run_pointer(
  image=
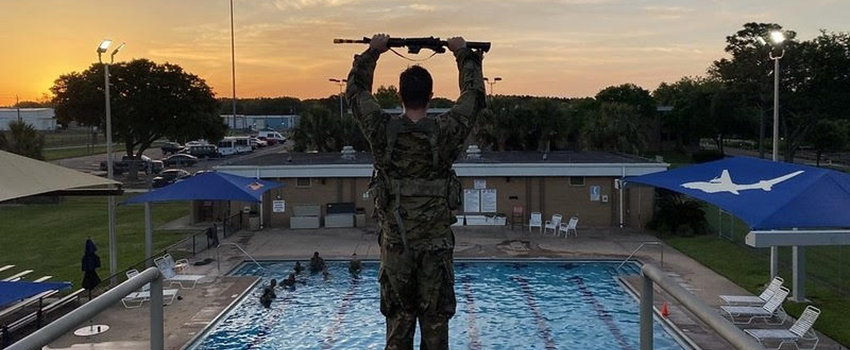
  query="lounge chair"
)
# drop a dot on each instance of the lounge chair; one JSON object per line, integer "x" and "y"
{"x": 553, "y": 224}
{"x": 571, "y": 226}
{"x": 136, "y": 299}
{"x": 771, "y": 309}
{"x": 751, "y": 299}
{"x": 799, "y": 331}
{"x": 178, "y": 265}
{"x": 172, "y": 278}
{"x": 536, "y": 220}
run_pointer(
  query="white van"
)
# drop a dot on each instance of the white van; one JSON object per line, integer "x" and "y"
{"x": 271, "y": 135}
{"x": 234, "y": 145}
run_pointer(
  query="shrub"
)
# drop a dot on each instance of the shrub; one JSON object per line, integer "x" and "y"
{"x": 705, "y": 156}
{"x": 678, "y": 214}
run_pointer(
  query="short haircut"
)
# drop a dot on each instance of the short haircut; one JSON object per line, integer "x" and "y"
{"x": 414, "y": 87}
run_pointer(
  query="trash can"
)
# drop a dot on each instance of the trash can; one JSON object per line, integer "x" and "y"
{"x": 360, "y": 217}
{"x": 254, "y": 223}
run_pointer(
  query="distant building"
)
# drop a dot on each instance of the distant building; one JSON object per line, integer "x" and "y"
{"x": 258, "y": 122}
{"x": 583, "y": 184}
{"x": 43, "y": 119}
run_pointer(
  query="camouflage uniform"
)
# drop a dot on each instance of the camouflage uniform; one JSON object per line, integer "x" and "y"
{"x": 415, "y": 190}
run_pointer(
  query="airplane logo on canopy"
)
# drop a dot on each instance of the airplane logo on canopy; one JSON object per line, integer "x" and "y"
{"x": 724, "y": 183}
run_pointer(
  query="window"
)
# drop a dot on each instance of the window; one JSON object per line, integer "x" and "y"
{"x": 576, "y": 180}
{"x": 302, "y": 182}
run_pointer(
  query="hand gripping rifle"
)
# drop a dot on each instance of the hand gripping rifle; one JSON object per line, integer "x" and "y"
{"x": 414, "y": 45}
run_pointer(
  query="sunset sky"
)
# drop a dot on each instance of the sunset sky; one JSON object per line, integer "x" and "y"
{"x": 283, "y": 47}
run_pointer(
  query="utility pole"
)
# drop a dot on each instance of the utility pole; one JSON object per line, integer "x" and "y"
{"x": 18, "y": 106}
{"x": 233, "y": 61}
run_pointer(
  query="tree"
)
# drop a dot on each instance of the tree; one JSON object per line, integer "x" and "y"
{"x": 637, "y": 97}
{"x": 749, "y": 72}
{"x": 321, "y": 130}
{"x": 615, "y": 127}
{"x": 149, "y": 101}
{"x": 829, "y": 135}
{"x": 387, "y": 96}
{"x": 22, "y": 139}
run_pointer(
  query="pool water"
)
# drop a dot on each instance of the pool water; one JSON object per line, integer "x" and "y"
{"x": 500, "y": 305}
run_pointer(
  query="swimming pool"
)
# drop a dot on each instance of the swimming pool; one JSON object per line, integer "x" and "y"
{"x": 500, "y": 305}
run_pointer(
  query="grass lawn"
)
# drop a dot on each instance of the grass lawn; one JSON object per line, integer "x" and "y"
{"x": 750, "y": 269}
{"x": 65, "y": 153}
{"x": 50, "y": 238}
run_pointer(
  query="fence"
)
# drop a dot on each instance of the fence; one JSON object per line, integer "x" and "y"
{"x": 827, "y": 267}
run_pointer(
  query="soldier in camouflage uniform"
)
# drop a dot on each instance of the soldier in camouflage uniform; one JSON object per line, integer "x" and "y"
{"x": 415, "y": 190}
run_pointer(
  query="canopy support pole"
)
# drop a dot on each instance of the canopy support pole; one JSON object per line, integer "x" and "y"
{"x": 148, "y": 234}
{"x": 774, "y": 262}
{"x": 798, "y": 254}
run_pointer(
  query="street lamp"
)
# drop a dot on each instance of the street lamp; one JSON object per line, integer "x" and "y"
{"x": 341, "y": 83}
{"x": 776, "y": 38}
{"x": 495, "y": 80}
{"x": 110, "y": 201}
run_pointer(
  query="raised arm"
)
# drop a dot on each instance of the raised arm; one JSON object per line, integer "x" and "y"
{"x": 459, "y": 121}
{"x": 367, "y": 111}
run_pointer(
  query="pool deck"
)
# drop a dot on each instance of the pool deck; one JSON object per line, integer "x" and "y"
{"x": 185, "y": 318}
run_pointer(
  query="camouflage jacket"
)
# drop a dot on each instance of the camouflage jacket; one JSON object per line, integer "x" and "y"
{"x": 425, "y": 219}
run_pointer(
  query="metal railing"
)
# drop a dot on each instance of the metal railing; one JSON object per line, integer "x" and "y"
{"x": 83, "y": 314}
{"x": 218, "y": 255}
{"x": 639, "y": 248}
{"x": 654, "y": 275}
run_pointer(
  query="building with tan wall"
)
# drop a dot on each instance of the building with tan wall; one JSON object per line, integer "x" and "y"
{"x": 581, "y": 184}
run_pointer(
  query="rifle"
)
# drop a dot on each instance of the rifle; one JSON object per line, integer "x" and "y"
{"x": 414, "y": 45}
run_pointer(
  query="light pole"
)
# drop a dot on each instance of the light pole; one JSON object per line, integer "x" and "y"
{"x": 233, "y": 63}
{"x": 110, "y": 200}
{"x": 495, "y": 80}
{"x": 341, "y": 83}
{"x": 777, "y": 38}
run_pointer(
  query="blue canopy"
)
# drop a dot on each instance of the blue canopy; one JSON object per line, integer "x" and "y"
{"x": 764, "y": 194}
{"x": 11, "y": 292}
{"x": 212, "y": 186}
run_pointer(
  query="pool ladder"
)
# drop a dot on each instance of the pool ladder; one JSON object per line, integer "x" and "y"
{"x": 218, "y": 255}
{"x": 639, "y": 248}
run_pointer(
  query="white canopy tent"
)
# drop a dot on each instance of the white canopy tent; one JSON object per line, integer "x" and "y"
{"x": 23, "y": 177}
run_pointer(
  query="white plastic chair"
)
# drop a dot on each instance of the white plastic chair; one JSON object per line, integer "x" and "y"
{"x": 553, "y": 224}
{"x": 172, "y": 277}
{"x": 766, "y": 312}
{"x": 536, "y": 220}
{"x": 571, "y": 226}
{"x": 136, "y": 299}
{"x": 793, "y": 335}
{"x": 750, "y": 299}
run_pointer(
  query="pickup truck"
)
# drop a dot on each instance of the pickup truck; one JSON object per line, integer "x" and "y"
{"x": 123, "y": 165}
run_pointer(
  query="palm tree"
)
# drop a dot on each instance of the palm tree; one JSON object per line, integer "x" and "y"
{"x": 22, "y": 139}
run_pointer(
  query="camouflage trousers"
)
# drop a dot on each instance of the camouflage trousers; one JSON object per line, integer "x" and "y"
{"x": 417, "y": 285}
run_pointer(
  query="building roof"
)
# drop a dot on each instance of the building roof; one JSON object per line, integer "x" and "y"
{"x": 512, "y": 163}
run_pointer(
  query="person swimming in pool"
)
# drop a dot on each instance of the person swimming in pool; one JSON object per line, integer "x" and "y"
{"x": 317, "y": 264}
{"x": 298, "y": 267}
{"x": 268, "y": 294}
{"x": 290, "y": 281}
{"x": 354, "y": 266}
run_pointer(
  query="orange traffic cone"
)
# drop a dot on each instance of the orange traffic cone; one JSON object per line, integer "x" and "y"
{"x": 664, "y": 311}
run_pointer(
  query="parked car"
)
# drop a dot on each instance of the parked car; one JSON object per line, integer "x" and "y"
{"x": 170, "y": 148}
{"x": 258, "y": 142}
{"x": 180, "y": 160}
{"x": 123, "y": 165}
{"x": 202, "y": 151}
{"x": 170, "y": 176}
{"x": 269, "y": 134}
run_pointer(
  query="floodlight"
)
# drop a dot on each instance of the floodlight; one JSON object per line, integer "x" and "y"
{"x": 104, "y": 45}
{"x": 777, "y": 37}
{"x": 498, "y": 79}
{"x": 333, "y": 80}
{"x": 761, "y": 41}
{"x": 114, "y": 52}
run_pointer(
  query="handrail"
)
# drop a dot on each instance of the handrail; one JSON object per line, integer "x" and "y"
{"x": 641, "y": 246}
{"x": 87, "y": 311}
{"x": 654, "y": 275}
{"x": 218, "y": 256}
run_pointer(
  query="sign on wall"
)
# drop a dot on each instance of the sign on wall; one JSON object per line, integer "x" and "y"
{"x": 479, "y": 184}
{"x": 278, "y": 206}
{"x": 488, "y": 201}
{"x": 471, "y": 201}
{"x": 595, "y": 193}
